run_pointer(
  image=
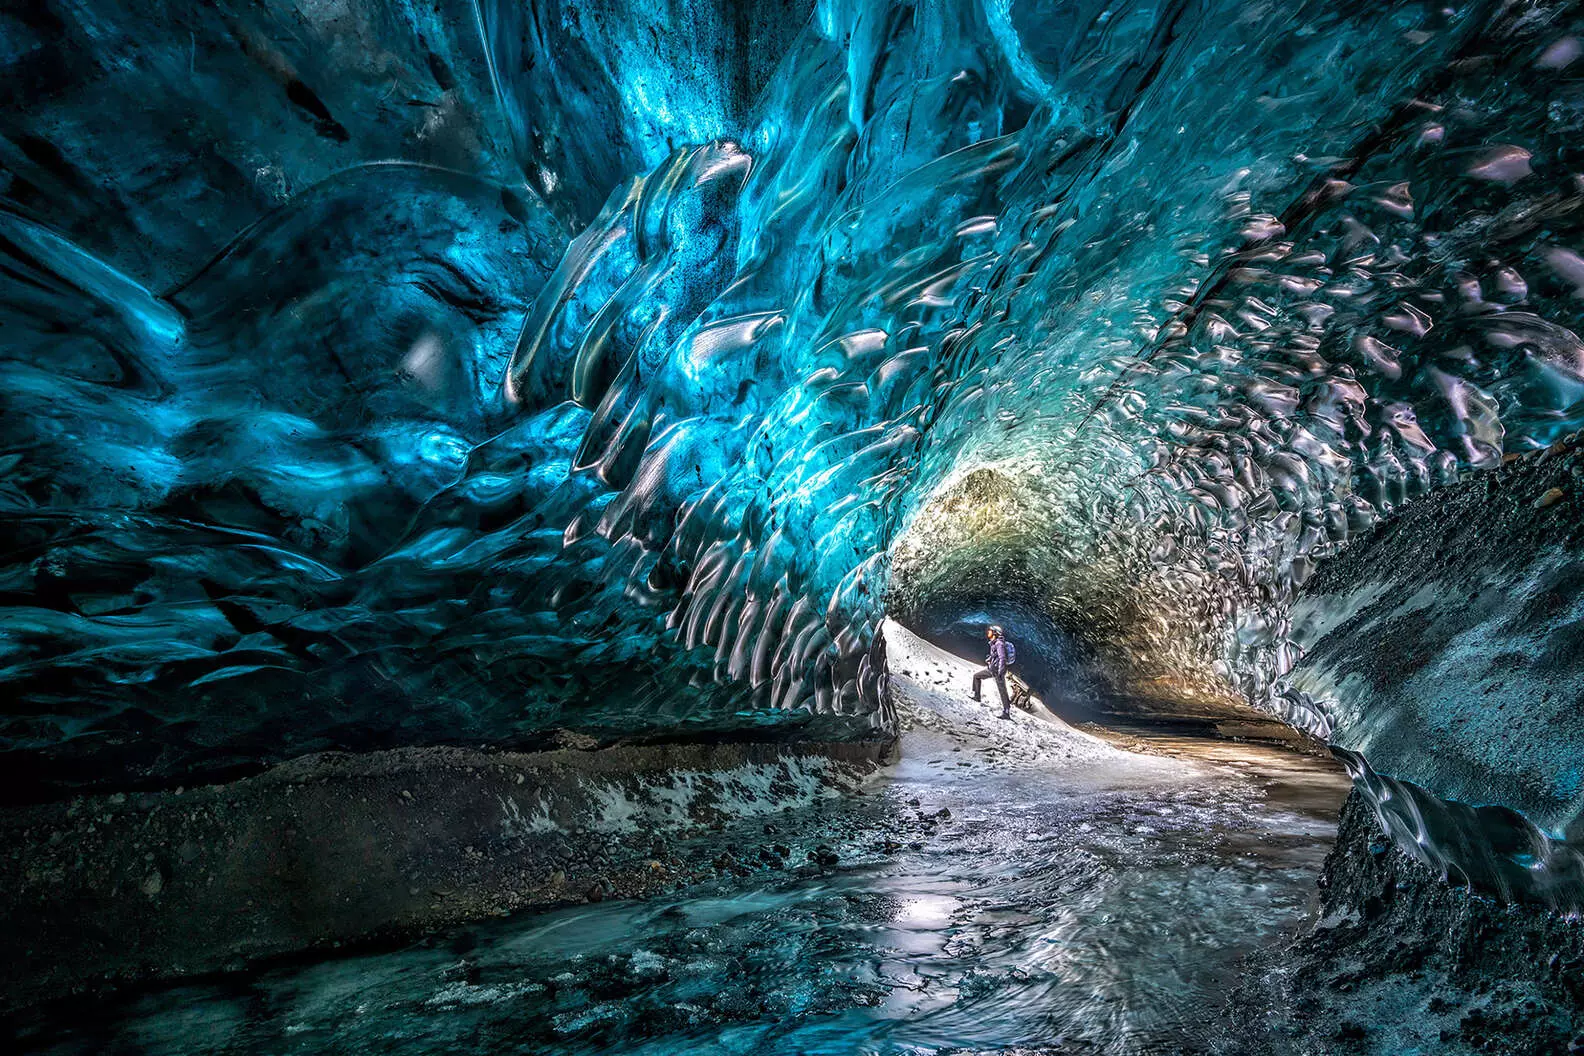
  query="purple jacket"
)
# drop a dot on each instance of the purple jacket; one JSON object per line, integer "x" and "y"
{"x": 996, "y": 661}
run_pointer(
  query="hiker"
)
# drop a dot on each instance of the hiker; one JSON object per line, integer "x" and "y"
{"x": 1002, "y": 653}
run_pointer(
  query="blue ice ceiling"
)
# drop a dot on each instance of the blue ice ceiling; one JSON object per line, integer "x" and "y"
{"x": 383, "y": 374}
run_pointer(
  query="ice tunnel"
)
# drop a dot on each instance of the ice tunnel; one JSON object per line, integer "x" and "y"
{"x": 529, "y": 379}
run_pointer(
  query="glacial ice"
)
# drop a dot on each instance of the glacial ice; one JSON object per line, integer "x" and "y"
{"x": 394, "y": 374}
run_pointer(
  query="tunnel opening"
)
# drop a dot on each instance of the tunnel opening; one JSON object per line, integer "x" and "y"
{"x": 1071, "y": 680}
{"x": 1053, "y": 664}
{"x": 1103, "y": 644}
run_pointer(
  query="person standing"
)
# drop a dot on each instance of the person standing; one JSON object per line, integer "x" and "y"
{"x": 1000, "y": 656}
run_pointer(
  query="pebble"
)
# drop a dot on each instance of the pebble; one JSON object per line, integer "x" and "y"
{"x": 1550, "y": 498}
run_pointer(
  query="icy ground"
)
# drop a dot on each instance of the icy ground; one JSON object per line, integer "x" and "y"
{"x": 1007, "y": 887}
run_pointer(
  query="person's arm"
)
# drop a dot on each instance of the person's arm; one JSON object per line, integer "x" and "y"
{"x": 998, "y": 653}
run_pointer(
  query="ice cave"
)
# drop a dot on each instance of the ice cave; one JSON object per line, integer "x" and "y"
{"x": 503, "y": 501}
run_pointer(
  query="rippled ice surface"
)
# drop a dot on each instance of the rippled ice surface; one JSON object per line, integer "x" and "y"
{"x": 1080, "y": 898}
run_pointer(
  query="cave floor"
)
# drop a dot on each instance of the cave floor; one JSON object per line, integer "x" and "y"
{"x": 1013, "y": 887}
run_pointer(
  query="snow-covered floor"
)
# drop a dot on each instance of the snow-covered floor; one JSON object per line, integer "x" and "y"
{"x": 933, "y": 691}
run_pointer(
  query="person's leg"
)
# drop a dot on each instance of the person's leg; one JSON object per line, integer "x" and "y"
{"x": 979, "y": 676}
{"x": 1006, "y": 701}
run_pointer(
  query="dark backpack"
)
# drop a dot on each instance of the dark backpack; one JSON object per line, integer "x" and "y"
{"x": 1011, "y": 651}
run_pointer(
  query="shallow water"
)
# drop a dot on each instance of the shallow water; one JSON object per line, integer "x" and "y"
{"x": 1079, "y": 898}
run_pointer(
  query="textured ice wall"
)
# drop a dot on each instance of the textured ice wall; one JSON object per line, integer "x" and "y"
{"x": 284, "y": 497}
{"x": 1323, "y": 265}
{"x": 620, "y": 403}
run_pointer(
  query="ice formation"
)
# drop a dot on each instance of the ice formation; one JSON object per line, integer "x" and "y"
{"x": 398, "y": 374}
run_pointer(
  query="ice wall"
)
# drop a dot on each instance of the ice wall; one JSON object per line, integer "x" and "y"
{"x": 1444, "y": 652}
{"x": 376, "y": 374}
{"x": 1271, "y": 315}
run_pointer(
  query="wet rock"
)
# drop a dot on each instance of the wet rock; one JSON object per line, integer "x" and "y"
{"x": 1428, "y": 966}
{"x": 1349, "y": 1030}
{"x": 1550, "y": 498}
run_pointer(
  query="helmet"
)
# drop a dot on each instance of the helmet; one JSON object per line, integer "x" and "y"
{"x": 994, "y": 631}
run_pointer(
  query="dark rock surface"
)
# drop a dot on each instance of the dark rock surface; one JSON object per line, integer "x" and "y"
{"x": 336, "y": 849}
{"x": 1401, "y": 961}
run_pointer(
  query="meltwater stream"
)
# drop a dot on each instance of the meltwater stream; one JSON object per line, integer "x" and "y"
{"x": 1008, "y": 886}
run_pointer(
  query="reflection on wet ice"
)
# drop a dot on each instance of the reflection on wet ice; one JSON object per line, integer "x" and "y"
{"x": 1073, "y": 897}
